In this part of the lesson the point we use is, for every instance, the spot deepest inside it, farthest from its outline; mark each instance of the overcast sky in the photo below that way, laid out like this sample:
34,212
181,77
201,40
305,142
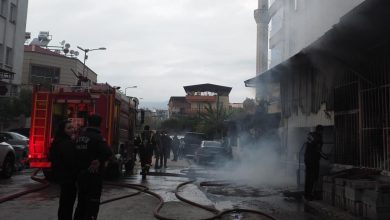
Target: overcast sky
157,45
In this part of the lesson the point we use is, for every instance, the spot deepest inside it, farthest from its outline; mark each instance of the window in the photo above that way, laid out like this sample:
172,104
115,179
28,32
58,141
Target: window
9,55
1,53
3,7
12,16
45,75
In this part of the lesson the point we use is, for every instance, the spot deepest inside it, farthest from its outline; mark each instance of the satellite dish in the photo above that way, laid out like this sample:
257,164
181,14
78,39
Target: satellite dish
71,52
76,53
62,43
67,45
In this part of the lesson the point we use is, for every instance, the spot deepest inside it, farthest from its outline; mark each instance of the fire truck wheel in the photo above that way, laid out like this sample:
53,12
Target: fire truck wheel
8,166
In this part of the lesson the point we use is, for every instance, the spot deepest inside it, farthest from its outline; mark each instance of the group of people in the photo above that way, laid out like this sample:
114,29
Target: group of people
158,144
77,165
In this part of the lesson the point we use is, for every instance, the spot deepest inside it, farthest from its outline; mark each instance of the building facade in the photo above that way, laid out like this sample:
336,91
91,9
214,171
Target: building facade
201,96
42,66
13,16
339,80
178,106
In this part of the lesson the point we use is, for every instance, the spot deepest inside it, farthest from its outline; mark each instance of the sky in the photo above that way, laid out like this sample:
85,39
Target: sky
157,45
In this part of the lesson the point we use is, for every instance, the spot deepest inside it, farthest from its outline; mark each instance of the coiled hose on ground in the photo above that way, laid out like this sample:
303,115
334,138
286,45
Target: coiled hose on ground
143,189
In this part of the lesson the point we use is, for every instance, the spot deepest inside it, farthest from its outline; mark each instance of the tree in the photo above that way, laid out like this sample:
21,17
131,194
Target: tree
249,105
12,107
213,121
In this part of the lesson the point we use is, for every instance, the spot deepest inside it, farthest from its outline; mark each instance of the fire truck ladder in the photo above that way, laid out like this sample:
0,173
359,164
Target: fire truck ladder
40,118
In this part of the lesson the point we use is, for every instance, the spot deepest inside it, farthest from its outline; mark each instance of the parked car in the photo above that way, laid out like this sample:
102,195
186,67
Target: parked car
7,158
192,142
20,145
211,152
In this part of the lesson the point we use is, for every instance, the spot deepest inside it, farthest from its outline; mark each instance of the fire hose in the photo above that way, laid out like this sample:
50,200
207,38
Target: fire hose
143,189
44,185
217,214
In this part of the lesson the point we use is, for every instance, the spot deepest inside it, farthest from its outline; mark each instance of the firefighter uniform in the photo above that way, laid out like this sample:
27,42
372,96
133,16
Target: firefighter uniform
146,150
90,146
312,161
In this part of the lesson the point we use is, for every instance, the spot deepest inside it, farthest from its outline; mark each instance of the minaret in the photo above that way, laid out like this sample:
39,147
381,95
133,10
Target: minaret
262,20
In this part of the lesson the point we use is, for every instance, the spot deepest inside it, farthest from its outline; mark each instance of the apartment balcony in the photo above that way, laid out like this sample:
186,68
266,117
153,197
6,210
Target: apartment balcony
199,98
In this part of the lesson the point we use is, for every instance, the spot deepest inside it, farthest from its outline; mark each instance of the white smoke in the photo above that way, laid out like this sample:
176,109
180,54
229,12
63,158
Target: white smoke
259,164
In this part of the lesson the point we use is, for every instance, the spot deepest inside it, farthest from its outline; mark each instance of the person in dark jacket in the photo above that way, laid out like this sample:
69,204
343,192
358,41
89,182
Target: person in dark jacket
166,149
62,156
92,152
175,147
158,150
313,154
146,150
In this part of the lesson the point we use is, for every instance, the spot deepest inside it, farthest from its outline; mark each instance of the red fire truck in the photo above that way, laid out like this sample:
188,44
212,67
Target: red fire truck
76,103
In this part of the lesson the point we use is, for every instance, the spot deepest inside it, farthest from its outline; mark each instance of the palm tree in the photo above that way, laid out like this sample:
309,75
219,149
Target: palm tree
213,120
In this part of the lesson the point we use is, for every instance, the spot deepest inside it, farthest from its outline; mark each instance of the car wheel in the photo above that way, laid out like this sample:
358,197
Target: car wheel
8,166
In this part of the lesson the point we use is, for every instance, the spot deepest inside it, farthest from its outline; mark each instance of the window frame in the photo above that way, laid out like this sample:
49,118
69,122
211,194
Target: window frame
13,13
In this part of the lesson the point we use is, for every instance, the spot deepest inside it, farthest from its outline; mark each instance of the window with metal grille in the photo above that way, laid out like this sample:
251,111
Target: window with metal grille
45,75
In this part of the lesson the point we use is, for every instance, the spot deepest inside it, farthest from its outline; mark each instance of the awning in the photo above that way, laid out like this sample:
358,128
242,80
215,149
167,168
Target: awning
344,47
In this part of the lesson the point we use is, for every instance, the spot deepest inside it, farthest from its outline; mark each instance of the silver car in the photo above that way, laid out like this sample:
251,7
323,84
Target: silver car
7,158
20,145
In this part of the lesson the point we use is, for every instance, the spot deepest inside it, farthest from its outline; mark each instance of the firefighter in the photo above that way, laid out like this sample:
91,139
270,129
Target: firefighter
146,150
92,153
158,150
313,154
62,153
175,147
166,148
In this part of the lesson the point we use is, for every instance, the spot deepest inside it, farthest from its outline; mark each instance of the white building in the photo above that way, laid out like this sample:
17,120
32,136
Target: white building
292,26
13,16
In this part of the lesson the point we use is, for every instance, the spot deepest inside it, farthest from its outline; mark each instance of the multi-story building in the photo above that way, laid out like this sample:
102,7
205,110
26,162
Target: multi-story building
42,66
284,27
203,95
197,98
13,16
178,106
330,62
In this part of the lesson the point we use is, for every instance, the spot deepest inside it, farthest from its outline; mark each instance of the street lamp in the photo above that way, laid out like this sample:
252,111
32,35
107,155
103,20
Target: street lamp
130,87
86,56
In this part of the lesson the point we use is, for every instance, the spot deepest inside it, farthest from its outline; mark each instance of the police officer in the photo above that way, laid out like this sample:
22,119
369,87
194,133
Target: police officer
92,152
146,150
313,154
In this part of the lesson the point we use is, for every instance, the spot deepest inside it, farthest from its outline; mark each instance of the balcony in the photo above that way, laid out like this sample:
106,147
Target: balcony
199,98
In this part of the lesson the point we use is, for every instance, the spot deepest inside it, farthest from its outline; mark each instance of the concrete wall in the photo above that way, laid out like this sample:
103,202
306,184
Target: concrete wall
64,63
294,25
12,35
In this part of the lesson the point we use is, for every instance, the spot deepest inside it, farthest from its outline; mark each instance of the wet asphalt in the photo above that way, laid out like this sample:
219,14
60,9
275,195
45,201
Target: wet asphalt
269,199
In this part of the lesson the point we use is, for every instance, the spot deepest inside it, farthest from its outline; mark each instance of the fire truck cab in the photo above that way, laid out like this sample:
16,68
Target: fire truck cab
75,103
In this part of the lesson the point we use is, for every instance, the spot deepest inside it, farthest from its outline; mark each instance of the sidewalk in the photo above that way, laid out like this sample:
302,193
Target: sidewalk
325,211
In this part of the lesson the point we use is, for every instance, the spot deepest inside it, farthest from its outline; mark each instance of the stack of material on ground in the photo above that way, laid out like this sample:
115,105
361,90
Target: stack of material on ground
362,192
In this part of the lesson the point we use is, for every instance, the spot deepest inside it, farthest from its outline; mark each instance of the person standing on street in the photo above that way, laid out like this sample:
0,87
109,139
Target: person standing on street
157,150
62,153
175,147
313,154
92,152
166,148
146,150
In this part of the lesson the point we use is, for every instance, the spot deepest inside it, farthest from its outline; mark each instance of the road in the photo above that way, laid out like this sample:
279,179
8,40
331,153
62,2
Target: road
268,199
